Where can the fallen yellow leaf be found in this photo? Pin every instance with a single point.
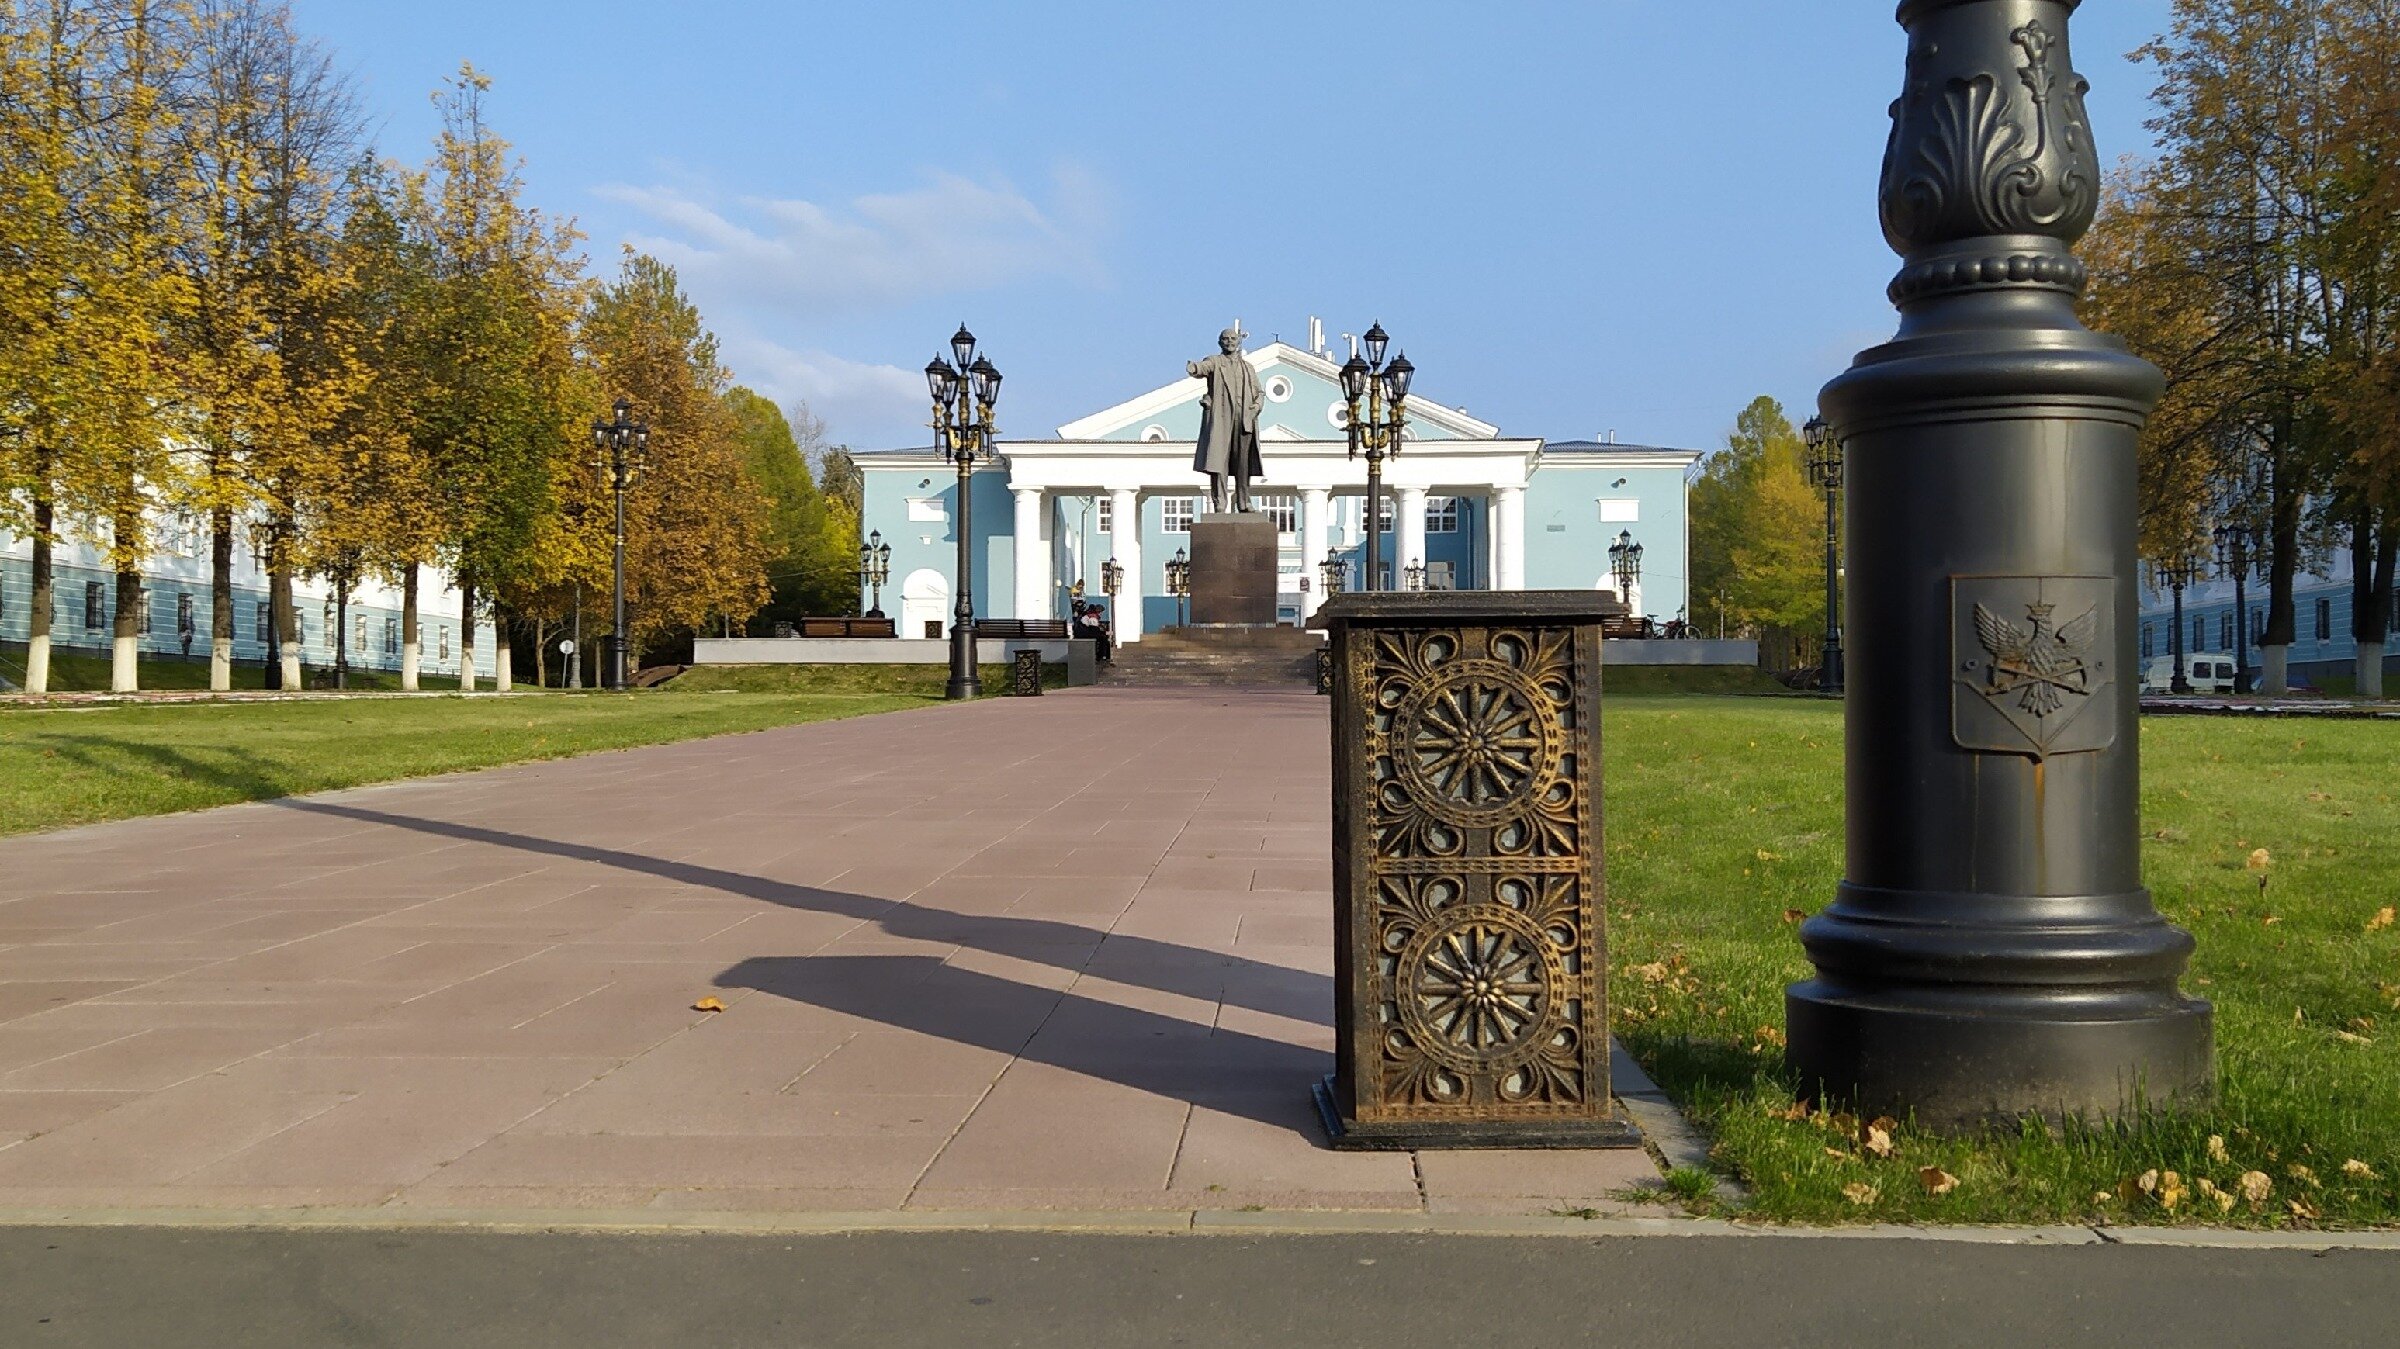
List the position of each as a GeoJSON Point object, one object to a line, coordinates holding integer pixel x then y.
{"type": "Point", "coordinates": [2170, 1190]}
{"type": "Point", "coordinates": [2147, 1183]}
{"type": "Point", "coordinates": [1795, 915]}
{"type": "Point", "coordinates": [2382, 919]}
{"type": "Point", "coordinates": [708, 1005]}
{"type": "Point", "coordinates": [2260, 860]}
{"type": "Point", "coordinates": [2256, 1186]}
{"type": "Point", "coordinates": [2301, 1208]}
{"type": "Point", "coordinates": [1655, 972]}
{"type": "Point", "coordinates": [1938, 1182]}
{"type": "Point", "coordinates": [1859, 1192]}
{"type": "Point", "coordinates": [1878, 1139]}
{"type": "Point", "coordinates": [2208, 1190]}
{"type": "Point", "coordinates": [2359, 1170]}
{"type": "Point", "coordinates": [2216, 1149]}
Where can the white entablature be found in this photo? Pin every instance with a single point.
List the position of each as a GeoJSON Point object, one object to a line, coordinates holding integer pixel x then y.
{"type": "Point", "coordinates": [1291, 466]}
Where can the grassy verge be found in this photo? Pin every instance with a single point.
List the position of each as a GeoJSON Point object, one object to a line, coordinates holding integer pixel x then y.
{"type": "Point", "coordinates": [66, 766]}
{"type": "Point", "coordinates": [1644, 680]}
{"type": "Point", "coordinates": [82, 672]}
{"type": "Point", "coordinates": [921, 681]}
{"type": "Point", "coordinates": [1725, 831]}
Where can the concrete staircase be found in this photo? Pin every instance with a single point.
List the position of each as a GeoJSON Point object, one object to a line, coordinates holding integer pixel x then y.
{"type": "Point", "coordinates": [1217, 657]}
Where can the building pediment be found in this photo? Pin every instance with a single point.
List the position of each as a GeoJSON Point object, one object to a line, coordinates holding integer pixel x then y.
{"type": "Point", "coordinates": [1304, 402]}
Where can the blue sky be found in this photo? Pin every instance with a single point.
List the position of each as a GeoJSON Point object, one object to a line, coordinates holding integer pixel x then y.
{"type": "Point", "coordinates": [1576, 217]}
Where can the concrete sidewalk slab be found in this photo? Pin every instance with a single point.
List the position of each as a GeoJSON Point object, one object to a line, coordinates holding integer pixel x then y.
{"type": "Point", "coordinates": [1068, 955]}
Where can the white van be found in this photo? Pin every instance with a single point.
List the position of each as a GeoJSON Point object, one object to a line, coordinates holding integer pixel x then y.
{"type": "Point", "coordinates": [2204, 672]}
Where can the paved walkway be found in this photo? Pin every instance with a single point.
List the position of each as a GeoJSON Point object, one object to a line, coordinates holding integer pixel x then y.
{"type": "Point", "coordinates": [1067, 953]}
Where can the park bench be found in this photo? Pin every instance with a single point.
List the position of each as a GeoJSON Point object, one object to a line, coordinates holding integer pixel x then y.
{"type": "Point", "coordinates": [1034, 629]}
{"type": "Point", "coordinates": [847, 627]}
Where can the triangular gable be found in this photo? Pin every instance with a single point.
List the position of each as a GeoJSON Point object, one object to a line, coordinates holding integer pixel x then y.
{"type": "Point", "coordinates": [1317, 384]}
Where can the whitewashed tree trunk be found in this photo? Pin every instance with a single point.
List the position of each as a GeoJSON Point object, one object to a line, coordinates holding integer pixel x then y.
{"type": "Point", "coordinates": [2370, 669]}
{"type": "Point", "coordinates": [2275, 669]}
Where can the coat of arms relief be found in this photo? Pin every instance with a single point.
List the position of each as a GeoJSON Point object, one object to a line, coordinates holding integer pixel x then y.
{"type": "Point", "coordinates": [2033, 664]}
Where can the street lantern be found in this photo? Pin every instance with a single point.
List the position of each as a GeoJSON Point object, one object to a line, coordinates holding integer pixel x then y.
{"type": "Point", "coordinates": [1179, 581]}
{"type": "Point", "coordinates": [1112, 577]}
{"type": "Point", "coordinates": [2176, 574]}
{"type": "Point", "coordinates": [1625, 564]}
{"type": "Point", "coordinates": [874, 568]}
{"type": "Point", "coordinates": [1991, 953]}
{"type": "Point", "coordinates": [964, 389]}
{"type": "Point", "coordinates": [621, 443]}
{"type": "Point", "coordinates": [1333, 572]}
{"type": "Point", "coordinates": [1413, 575]}
{"type": "Point", "coordinates": [2234, 540]}
{"type": "Point", "coordinates": [1377, 431]}
{"type": "Point", "coordinates": [1825, 470]}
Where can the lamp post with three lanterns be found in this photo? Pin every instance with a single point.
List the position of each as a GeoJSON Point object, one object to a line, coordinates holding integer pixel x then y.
{"type": "Point", "coordinates": [1384, 389]}
{"type": "Point", "coordinates": [621, 443]}
{"type": "Point", "coordinates": [964, 388]}
{"type": "Point", "coordinates": [874, 568]}
{"type": "Point", "coordinates": [1825, 470]}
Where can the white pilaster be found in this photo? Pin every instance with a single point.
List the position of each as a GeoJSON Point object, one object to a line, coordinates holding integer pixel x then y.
{"type": "Point", "coordinates": [1125, 542]}
{"type": "Point", "coordinates": [1033, 557]}
{"type": "Point", "coordinates": [1508, 531]}
{"type": "Point", "coordinates": [1316, 533]}
{"type": "Point", "coordinates": [1490, 579]}
{"type": "Point", "coordinates": [1410, 534]}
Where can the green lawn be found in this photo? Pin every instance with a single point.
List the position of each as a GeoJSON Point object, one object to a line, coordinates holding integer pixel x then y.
{"type": "Point", "coordinates": [84, 672]}
{"type": "Point", "coordinates": [1725, 829]}
{"type": "Point", "coordinates": [65, 766]}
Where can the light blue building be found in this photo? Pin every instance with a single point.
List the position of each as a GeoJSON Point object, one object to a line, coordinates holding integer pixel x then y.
{"type": "Point", "coordinates": [2323, 648]}
{"type": "Point", "coordinates": [1477, 509]}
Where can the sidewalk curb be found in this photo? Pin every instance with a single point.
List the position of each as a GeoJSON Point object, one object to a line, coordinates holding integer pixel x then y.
{"type": "Point", "coordinates": [1203, 1222]}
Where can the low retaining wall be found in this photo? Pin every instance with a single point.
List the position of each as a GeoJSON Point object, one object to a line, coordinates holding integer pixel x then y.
{"type": "Point", "coordinates": [1076, 653]}
{"type": "Point", "coordinates": [1678, 651]}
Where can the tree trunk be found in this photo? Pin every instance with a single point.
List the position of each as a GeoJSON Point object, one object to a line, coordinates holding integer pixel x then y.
{"type": "Point", "coordinates": [2373, 553]}
{"type": "Point", "coordinates": [286, 609]}
{"type": "Point", "coordinates": [2283, 567]}
{"type": "Point", "coordinates": [220, 600]}
{"type": "Point", "coordinates": [410, 647]}
{"type": "Point", "coordinates": [503, 658]}
{"type": "Point", "coordinates": [45, 598]}
{"type": "Point", "coordinates": [541, 663]}
{"type": "Point", "coordinates": [125, 646]}
{"type": "Point", "coordinates": [341, 632]}
{"type": "Point", "coordinates": [466, 636]}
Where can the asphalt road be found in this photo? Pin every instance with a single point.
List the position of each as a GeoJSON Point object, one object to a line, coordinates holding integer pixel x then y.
{"type": "Point", "coordinates": [194, 1288]}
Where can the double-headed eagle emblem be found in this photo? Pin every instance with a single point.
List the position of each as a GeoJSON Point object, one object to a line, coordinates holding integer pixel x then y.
{"type": "Point", "coordinates": [2040, 664]}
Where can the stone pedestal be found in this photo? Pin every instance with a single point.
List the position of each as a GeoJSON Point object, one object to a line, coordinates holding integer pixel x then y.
{"type": "Point", "coordinates": [1233, 570]}
{"type": "Point", "coordinates": [1470, 989]}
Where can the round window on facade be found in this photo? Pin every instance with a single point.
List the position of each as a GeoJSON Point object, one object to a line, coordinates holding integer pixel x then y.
{"type": "Point", "coordinates": [1279, 389]}
{"type": "Point", "coordinates": [1339, 415]}
{"type": "Point", "coordinates": [1154, 433]}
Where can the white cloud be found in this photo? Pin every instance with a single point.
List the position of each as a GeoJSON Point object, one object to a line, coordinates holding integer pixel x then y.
{"type": "Point", "coordinates": [951, 235]}
{"type": "Point", "coordinates": [864, 405]}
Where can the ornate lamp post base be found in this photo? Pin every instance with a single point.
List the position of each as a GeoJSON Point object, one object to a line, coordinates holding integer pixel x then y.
{"type": "Point", "coordinates": [1991, 952]}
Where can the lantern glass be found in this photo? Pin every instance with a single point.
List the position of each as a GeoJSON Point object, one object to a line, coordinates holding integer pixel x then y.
{"type": "Point", "coordinates": [1377, 339]}
{"type": "Point", "coordinates": [962, 346]}
{"type": "Point", "coordinates": [1400, 375]}
{"type": "Point", "coordinates": [1354, 379]}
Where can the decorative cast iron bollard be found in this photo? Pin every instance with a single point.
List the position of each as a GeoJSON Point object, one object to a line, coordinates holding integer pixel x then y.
{"type": "Point", "coordinates": [1026, 675]}
{"type": "Point", "coordinates": [1469, 955]}
{"type": "Point", "coordinates": [1325, 670]}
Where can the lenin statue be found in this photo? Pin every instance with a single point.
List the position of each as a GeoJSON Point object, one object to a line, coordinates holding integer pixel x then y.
{"type": "Point", "coordinates": [1228, 446]}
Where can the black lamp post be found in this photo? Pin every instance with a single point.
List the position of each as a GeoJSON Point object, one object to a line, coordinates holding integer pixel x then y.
{"type": "Point", "coordinates": [1179, 581]}
{"type": "Point", "coordinates": [964, 389]}
{"type": "Point", "coordinates": [1625, 564]}
{"type": "Point", "coordinates": [1413, 575]}
{"type": "Point", "coordinates": [2176, 575]}
{"type": "Point", "coordinates": [2233, 559]}
{"type": "Point", "coordinates": [1825, 470]}
{"type": "Point", "coordinates": [1384, 388]}
{"type": "Point", "coordinates": [621, 443]}
{"type": "Point", "coordinates": [1333, 571]}
{"type": "Point", "coordinates": [1112, 579]}
{"type": "Point", "coordinates": [1991, 952]}
{"type": "Point", "coordinates": [874, 568]}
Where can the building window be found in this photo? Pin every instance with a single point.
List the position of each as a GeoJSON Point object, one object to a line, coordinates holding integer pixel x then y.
{"type": "Point", "coordinates": [442, 636]}
{"type": "Point", "coordinates": [2324, 619]}
{"type": "Point", "coordinates": [358, 636]}
{"type": "Point", "coordinates": [1621, 511]}
{"type": "Point", "coordinates": [2199, 633]}
{"type": "Point", "coordinates": [1441, 576]}
{"type": "Point", "coordinates": [266, 621]}
{"type": "Point", "coordinates": [1383, 515]}
{"type": "Point", "coordinates": [1175, 514]}
{"type": "Point", "coordinates": [2148, 641]}
{"type": "Point", "coordinates": [141, 610]}
{"type": "Point", "coordinates": [2258, 625]}
{"type": "Point", "coordinates": [391, 636]}
{"type": "Point", "coordinates": [1284, 511]}
{"type": "Point", "coordinates": [1154, 434]}
{"type": "Point", "coordinates": [1278, 389]}
{"type": "Point", "coordinates": [1441, 517]}
{"type": "Point", "coordinates": [928, 508]}
{"type": "Point", "coordinates": [95, 606]}
{"type": "Point", "coordinates": [1108, 516]}
{"type": "Point", "coordinates": [187, 618]}
{"type": "Point", "coordinates": [2225, 631]}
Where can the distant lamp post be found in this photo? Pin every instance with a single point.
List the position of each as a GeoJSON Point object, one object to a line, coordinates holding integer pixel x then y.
{"type": "Point", "coordinates": [1376, 432]}
{"type": "Point", "coordinates": [1413, 575]}
{"type": "Point", "coordinates": [1333, 572]}
{"type": "Point", "coordinates": [2233, 559]}
{"type": "Point", "coordinates": [1179, 581]}
{"type": "Point", "coordinates": [1112, 578]}
{"type": "Point", "coordinates": [964, 389]}
{"type": "Point", "coordinates": [874, 568]}
{"type": "Point", "coordinates": [1825, 470]}
{"type": "Point", "coordinates": [2175, 575]}
{"type": "Point", "coordinates": [1625, 565]}
{"type": "Point", "coordinates": [621, 443]}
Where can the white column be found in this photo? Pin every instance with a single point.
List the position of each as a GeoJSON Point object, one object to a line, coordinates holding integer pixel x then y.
{"type": "Point", "coordinates": [1490, 580]}
{"type": "Point", "coordinates": [1316, 540]}
{"type": "Point", "coordinates": [1125, 543]}
{"type": "Point", "coordinates": [1033, 557]}
{"type": "Point", "coordinates": [1410, 535]}
{"type": "Point", "coordinates": [1508, 531]}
